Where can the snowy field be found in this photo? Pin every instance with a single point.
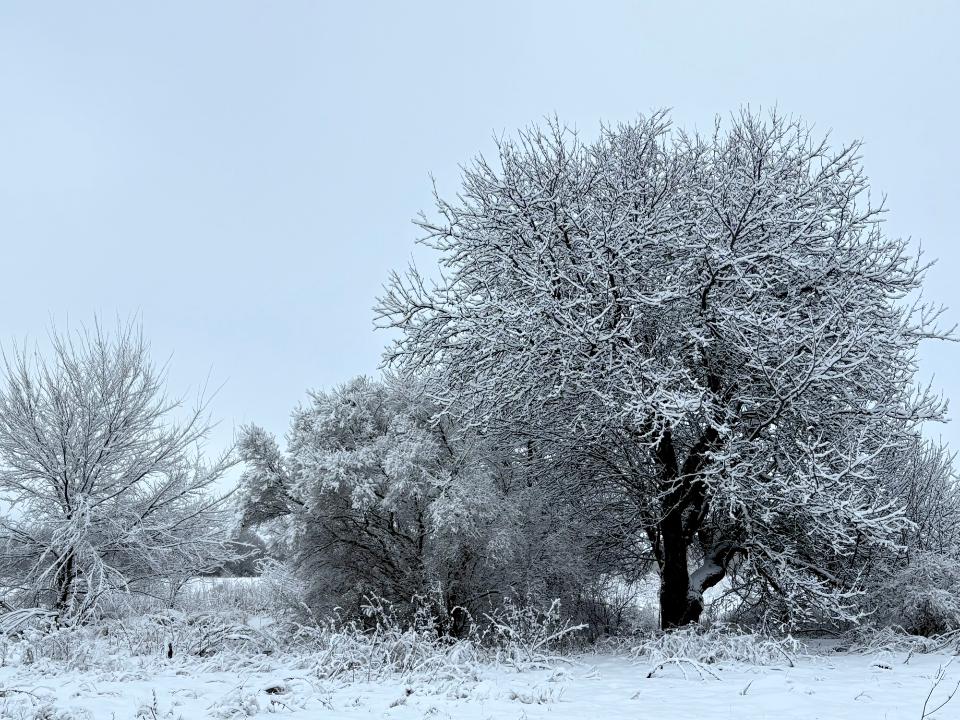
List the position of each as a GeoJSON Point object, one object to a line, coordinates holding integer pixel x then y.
{"type": "Point", "coordinates": [235, 657]}
{"type": "Point", "coordinates": [595, 685]}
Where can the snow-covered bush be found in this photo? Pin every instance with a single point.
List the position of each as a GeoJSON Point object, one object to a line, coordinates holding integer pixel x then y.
{"type": "Point", "coordinates": [241, 703]}
{"type": "Point", "coordinates": [394, 642]}
{"type": "Point", "coordinates": [719, 644]}
{"type": "Point", "coordinates": [529, 634]}
{"type": "Point", "coordinates": [110, 644]}
{"type": "Point", "coordinates": [378, 495]}
{"type": "Point", "coordinates": [27, 706]}
{"type": "Point", "coordinates": [914, 585]}
{"type": "Point", "coordinates": [390, 641]}
{"type": "Point", "coordinates": [272, 593]}
{"type": "Point", "coordinates": [921, 479]}
{"type": "Point", "coordinates": [922, 597]}
{"type": "Point", "coordinates": [885, 639]}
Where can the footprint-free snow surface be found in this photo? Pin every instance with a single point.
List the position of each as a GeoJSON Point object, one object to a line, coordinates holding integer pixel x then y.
{"type": "Point", "coordinates": [604, 686]}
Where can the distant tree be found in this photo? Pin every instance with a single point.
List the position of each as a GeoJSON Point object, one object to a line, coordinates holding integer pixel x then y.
{"type": "Point", "coordinates": [104, 486]}
{"type": "Point", "coordinates": [921, 478]}
{"type": "Point", "coordinates": [250, 550]}
{"type": "Point", "coordinates": [917, 584]}
{"type": "Point", "coordinates": [713, 335]}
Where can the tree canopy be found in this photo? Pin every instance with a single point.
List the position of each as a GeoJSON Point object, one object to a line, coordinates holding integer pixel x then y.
{"type": "Point", "coordinates": [715, 330]}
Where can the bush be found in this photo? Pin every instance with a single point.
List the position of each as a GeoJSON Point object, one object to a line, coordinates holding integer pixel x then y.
{"type": "Point", "coordinates": [390, 641]}
{"type": "Point", "coordinates": [377, 495]}
{"type": "Point", "coordinates": [722, 643]}
{"type": "Point", "coordinates": [922, 597]}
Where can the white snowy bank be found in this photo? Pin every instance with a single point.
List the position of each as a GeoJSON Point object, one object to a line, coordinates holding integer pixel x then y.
{"type": "Point", "coordinates": [609, 686]}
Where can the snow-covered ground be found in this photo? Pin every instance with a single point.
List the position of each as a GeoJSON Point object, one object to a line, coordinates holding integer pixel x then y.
{"type": "Point", "coordinates": [236, 658]}
{"type": "Point", "coordinates": [607, 686]}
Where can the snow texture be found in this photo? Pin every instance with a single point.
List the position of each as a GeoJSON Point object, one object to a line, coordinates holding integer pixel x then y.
{"type": "Point", "coordinates": [832, 685]}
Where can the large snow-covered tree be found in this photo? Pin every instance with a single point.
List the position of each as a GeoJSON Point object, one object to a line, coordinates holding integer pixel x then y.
{"type": "Point", "coordinates": [104, 487]}
{"type": "Point", "coordinates": [714, 333]}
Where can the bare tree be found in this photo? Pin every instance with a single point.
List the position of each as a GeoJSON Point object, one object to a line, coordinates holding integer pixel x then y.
{"type": "Point", "coordinates": [714, 331]}
{"type": "Point", "coordinates": [102, 475]}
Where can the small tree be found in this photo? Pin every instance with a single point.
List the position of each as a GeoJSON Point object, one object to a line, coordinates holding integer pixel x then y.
{"type": "Point", "coordinates": [710, 334]}
{"type": "Point", "coordinates": [106, 490]}
{"type": "Point", "coordinates": [920, 476]}
{"type": "Point", "coordinates": [378, 497]}
{"type": "Point", "coordinates": [917, 585]}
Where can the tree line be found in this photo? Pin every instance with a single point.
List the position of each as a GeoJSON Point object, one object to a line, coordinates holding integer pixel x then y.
{"type": "Point", "coordinates": [653, 354]}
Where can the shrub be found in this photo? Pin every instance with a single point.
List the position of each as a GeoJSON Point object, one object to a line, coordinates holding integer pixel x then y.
{"type": "Point", "coordinates": [722, 643]}
{"type": "Point", "coordinates": [922, 597]}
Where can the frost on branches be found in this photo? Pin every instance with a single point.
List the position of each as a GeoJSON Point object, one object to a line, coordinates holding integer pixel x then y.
{"type": "Point", "coordinates": [103, 487]}
{"type": "Point", "coordinates": [917, 585]}
{"type": "Point", "coordinates": [376, 497]}
{"type": "Point", "coordinates": [713, 332]}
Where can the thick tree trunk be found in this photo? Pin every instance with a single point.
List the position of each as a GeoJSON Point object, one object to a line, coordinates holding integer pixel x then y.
{"type": "Point", "coordinates": [674, 573]}
{"type": "Point", "coordinates": [681, 595]}
{"type": "Point", "coordinates": [684, 492]}
{"type": "Point", "coordinates": [678, 609]}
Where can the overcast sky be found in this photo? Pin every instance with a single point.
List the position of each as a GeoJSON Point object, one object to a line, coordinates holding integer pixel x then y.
{"type": "Point", "coordinates": [243, 174]}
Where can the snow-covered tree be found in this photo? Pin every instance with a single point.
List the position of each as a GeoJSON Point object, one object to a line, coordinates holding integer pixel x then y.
{"type": "Point", "coordinates": [921, 478]}
{"type": "Point", "coordinates": [101, 476]}
{"type": "Point", "coordinates": [712, 334]}
{"type": "Point", "coordinates": [377, 496]}
{"type": "Point", "coordinates": [917, 585]}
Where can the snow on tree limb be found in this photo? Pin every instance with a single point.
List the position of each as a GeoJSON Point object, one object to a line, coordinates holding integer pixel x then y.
{"type": "Point", "coordinates": [717, 328]}
{"type": "Point", "coordinates": [102, 475]}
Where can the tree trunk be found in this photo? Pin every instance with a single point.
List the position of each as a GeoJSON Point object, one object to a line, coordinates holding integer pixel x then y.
{"type": "Point", "coordinates": [64, 581]}
{"type": "Point", "coordinates": [674, 574]}
{"type": "Point", "coordinates": [678, 609]}
{"type": "Point", "coordinates": [681, 595]}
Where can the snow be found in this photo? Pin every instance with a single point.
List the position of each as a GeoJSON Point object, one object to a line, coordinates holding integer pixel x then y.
{"type": "Point", "coordinates": [594, 685]}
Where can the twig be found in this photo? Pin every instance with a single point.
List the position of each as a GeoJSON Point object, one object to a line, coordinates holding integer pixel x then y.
{"type": "Point", "coordinates": [941, 674]}
{"type": "Point", "coordinates": [679, 663]}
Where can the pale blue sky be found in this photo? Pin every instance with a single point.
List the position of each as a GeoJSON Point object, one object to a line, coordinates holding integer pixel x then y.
{"type": "Point", "coordinates": [242, 174]}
